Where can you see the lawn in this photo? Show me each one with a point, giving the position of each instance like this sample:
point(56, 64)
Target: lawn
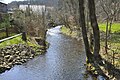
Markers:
point(115, 27)
point(115, 36)
point(113, 44)
point(16, 40)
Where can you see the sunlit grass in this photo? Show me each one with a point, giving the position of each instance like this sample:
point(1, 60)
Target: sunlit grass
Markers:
point(113, 43)
point(68, 32)
point(65, 30)
point(115, 27)
point(17, 40)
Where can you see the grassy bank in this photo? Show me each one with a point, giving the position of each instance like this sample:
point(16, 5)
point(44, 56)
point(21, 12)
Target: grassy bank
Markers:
point(16, 52)
point(3, 34)
point(113, 45)
point(115, 27)
point(18, 40)
point(67, 31)
point(113, 42)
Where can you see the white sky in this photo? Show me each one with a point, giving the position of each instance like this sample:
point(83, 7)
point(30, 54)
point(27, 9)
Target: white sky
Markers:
point(8, 1)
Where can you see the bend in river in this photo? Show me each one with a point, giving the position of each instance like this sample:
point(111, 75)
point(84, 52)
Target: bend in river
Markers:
point(64, 60)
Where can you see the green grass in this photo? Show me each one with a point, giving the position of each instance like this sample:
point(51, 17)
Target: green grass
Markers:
point(113, 48)
point(3, 34)
point(115, 27)
point(16, 40)
point(67, 31)
point(113, 42)
point(115, 38)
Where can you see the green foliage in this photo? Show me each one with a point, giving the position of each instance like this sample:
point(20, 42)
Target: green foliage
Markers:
point(5, 21)
point(115, 27)
point(19, 20)
point(2, 34)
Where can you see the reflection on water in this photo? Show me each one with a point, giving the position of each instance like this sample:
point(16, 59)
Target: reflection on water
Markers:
point(64, 60)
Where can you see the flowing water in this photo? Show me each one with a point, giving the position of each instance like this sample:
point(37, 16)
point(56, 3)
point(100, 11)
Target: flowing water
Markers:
point(64, 60)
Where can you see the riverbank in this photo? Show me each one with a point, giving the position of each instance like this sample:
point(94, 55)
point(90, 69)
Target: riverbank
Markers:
point(74, 34)
point(16, 52)
point(113, 46)
point(113, 50)
point(64, 60)
point(113, 42)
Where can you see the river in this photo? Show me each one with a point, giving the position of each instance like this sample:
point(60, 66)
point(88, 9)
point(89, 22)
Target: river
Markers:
point(64, 60)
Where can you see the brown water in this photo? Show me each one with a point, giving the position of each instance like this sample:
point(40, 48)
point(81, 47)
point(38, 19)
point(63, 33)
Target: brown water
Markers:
point(64, 60)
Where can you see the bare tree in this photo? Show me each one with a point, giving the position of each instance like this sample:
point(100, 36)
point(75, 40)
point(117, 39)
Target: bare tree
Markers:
point(83, 26)
point(111, 10)
point(95, 27)
point(68, 13)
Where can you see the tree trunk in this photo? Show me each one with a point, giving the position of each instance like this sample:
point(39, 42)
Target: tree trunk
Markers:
point(83, 25)
point(7, 34)
point(94, 24)
point(110, 27)
point(106, 37)
point(44, 26)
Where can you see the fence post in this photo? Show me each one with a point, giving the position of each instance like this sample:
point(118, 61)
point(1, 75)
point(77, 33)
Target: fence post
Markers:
point(24, 36)
point(6, 32)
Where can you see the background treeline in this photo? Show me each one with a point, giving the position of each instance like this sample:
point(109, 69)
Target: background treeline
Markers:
point(33, 2)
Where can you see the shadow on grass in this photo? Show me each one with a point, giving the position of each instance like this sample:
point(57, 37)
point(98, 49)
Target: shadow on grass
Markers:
point(115, 38)
point(112, 70)
point(112, 38)
point(100, 62)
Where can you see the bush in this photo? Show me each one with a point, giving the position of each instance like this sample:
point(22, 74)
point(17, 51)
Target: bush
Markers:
point(5, 21)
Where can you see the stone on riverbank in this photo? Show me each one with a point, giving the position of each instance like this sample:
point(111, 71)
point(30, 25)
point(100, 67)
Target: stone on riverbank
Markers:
point(15, 55)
